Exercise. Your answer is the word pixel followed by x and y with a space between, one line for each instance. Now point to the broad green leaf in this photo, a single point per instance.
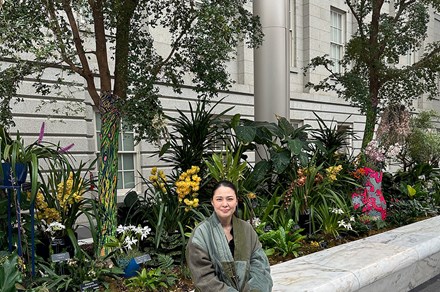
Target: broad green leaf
pixel 280 160
pixel 245 134
pixel 285 125
pixel 295 146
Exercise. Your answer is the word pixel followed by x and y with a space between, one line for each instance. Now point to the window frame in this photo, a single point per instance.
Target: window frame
pixel 348 127
pixel 292 35
pixel 341 38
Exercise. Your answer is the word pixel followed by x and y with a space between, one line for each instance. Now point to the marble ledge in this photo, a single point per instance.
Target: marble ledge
pixel 396 260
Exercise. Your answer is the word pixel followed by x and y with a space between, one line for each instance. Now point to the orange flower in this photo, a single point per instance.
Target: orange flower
pixel 359 173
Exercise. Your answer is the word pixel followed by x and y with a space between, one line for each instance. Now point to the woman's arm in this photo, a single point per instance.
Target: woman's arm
pixel 202 270
pixel 260 279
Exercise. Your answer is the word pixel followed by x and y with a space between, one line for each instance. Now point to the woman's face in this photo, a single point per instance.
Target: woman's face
pixel 225 202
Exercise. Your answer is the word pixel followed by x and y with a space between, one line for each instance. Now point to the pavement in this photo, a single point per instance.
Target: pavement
pixel 432 285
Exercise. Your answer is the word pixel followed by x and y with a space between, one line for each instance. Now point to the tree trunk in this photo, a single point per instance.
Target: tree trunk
pixel 108 174
pixel 370 123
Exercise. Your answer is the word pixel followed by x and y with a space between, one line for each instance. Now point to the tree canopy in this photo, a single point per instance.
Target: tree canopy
pixel 371 77
pixel 111 44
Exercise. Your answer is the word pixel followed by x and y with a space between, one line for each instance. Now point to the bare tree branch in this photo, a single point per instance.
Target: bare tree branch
pixel 101 44
pixel 86 71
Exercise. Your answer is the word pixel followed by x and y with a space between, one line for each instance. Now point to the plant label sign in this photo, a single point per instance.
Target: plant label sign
pixel 142 259
pixel 57 241
pixel 90 286
pixel 59 257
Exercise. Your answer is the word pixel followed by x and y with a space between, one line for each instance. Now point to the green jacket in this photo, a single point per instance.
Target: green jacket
pixel 215 269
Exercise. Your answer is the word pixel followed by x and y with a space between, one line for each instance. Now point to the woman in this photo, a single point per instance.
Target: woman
pixel 224 253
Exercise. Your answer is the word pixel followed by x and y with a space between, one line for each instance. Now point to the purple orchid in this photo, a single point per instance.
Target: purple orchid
pixel 40 137
pixel 67 148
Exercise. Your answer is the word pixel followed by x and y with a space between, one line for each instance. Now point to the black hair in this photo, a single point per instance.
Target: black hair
pixel 225 183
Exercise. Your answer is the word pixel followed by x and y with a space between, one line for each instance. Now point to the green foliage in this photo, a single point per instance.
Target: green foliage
pixel 226 166
pixel 331 142
pixel 367 77
pixel 62 189
pixel 193 136
pixel 10 80
pixel 272 210
pixel 155 279
pixel 403 212
pixel 285 240
pixel 282 142
pixel 81 268
pixel 422 177
pixel 10 275
pixel 423 144
pixel 16 151
pixel 282 150
pixel 161 210
pixel 333 219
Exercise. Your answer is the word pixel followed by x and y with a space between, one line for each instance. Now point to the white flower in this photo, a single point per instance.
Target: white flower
pixel 145 232
pixel 255 222
pixel 120 229
pixel 337 211
pixel 129 242
pixel 352 219
pixel 91 274
pixel 55 226
pixel 138 230
pixel 341 223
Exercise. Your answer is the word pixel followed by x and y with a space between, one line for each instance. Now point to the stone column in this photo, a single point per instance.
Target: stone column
pixel 271 61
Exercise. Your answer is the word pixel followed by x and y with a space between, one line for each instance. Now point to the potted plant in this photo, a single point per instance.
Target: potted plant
pixel 18 158
pixel 61 200
pixel 370 198
pixel 127 252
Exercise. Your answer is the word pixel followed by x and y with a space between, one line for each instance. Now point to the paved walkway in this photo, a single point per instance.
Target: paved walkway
pixel 432 285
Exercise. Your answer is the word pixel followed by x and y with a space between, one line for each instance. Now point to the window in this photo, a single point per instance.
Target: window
pixel 336 39
pixel 437 38
pixel 297 123
pixel 346 128
pixel 126 154
pixel 436 31
pixel 292 32
pixel 221 144
pixel 410 57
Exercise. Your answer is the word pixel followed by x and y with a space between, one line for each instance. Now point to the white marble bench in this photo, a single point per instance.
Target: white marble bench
pixel 396 260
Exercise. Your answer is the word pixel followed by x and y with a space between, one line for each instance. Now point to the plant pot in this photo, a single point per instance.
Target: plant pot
pixel 305 222
pixel 63 244
pixel 17 178
pixel 131 269
pixel 370 199
pixel 42 247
